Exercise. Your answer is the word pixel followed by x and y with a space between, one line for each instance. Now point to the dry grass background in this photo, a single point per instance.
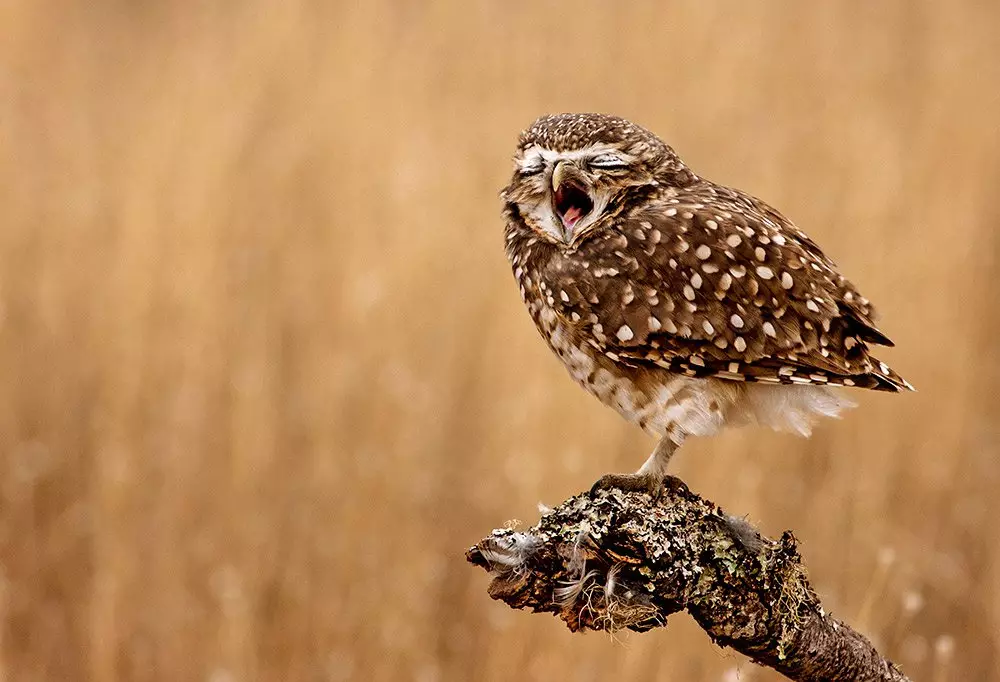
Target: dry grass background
pixel 266 374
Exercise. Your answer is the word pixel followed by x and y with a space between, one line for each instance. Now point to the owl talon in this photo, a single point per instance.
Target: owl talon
pixel 637 483
pixel 674 483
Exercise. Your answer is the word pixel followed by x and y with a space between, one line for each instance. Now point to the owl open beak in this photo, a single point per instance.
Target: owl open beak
pixel 570 198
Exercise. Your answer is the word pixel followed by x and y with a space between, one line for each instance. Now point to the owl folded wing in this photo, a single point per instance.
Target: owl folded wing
pixel 713 282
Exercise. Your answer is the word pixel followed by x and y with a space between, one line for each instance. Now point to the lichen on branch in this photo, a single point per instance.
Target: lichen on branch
pixel 615 560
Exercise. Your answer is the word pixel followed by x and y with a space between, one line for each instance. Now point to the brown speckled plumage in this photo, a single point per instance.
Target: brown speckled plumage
pixel 633 266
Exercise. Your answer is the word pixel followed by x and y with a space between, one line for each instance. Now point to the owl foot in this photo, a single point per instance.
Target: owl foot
pixel 631 483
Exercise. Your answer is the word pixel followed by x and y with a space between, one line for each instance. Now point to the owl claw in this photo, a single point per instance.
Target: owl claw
pixel 637 483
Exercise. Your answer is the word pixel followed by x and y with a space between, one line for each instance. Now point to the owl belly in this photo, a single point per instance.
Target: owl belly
pixel 666 404
pixel 660 402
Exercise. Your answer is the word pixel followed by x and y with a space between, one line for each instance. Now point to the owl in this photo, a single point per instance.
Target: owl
pixel 686 306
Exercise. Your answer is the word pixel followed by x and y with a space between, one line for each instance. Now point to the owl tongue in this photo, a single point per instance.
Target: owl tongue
pixel 572 215
pixel 572 203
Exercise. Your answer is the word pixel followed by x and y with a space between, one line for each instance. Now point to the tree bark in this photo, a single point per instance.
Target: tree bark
pixel 616 560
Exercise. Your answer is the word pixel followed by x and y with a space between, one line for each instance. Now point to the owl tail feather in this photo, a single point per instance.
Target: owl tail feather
pixel 888 379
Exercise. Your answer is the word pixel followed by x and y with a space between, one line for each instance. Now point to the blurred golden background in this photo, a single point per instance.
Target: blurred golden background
pixel 266 374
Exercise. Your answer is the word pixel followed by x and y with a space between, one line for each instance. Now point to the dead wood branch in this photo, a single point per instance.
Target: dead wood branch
pixel 620 560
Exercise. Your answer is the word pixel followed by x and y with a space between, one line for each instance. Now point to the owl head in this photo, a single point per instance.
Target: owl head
pixel 574 173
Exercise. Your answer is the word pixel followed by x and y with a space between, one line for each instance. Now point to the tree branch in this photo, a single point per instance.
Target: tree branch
pixel 621 560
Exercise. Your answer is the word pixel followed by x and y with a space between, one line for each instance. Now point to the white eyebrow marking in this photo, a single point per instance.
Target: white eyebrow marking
pixel 534 156
pixel 532 160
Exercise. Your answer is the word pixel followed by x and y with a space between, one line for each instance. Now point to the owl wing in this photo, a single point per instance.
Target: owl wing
pixel 713 282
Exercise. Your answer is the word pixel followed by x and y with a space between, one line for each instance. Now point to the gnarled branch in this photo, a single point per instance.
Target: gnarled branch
pixel 622 560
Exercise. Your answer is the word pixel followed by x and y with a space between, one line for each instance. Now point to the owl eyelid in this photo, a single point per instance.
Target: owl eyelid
pixel 531 169
pixel 608 161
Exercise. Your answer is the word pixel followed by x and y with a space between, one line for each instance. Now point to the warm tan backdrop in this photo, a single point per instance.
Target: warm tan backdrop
pixel 265 373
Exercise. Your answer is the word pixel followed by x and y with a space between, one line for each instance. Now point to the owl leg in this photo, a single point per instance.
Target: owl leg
pixel 650 476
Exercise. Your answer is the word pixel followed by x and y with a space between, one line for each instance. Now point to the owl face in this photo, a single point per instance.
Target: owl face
pixel 573 173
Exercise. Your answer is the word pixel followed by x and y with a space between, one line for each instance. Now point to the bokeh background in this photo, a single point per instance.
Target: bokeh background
pixel 266 375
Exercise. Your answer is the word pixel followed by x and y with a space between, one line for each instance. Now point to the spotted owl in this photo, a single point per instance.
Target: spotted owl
pixel 684 305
